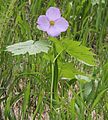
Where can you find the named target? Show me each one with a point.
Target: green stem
(54, 83)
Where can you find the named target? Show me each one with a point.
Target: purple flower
(52, 22)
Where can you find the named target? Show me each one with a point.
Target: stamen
(52, 23)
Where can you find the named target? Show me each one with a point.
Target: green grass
(25, 81)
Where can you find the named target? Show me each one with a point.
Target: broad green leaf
(87, 89)
(28, 47)
(78, 51)
(75, 49)
(83, 78)
(68, 70)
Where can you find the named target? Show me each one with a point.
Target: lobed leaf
(75, 49)
(28, 47)
(80, 52)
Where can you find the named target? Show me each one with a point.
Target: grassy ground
(25, 81)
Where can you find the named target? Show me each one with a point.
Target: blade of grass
(26, 100)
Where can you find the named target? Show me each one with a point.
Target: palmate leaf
(75, 49)
(80, 52)
(29, 47)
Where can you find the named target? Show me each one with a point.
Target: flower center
(52, 23)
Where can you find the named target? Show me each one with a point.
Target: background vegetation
(25, 80)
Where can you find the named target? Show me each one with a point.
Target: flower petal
(53, 13)
(43, 23)
(61, 24)
(52, 31)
